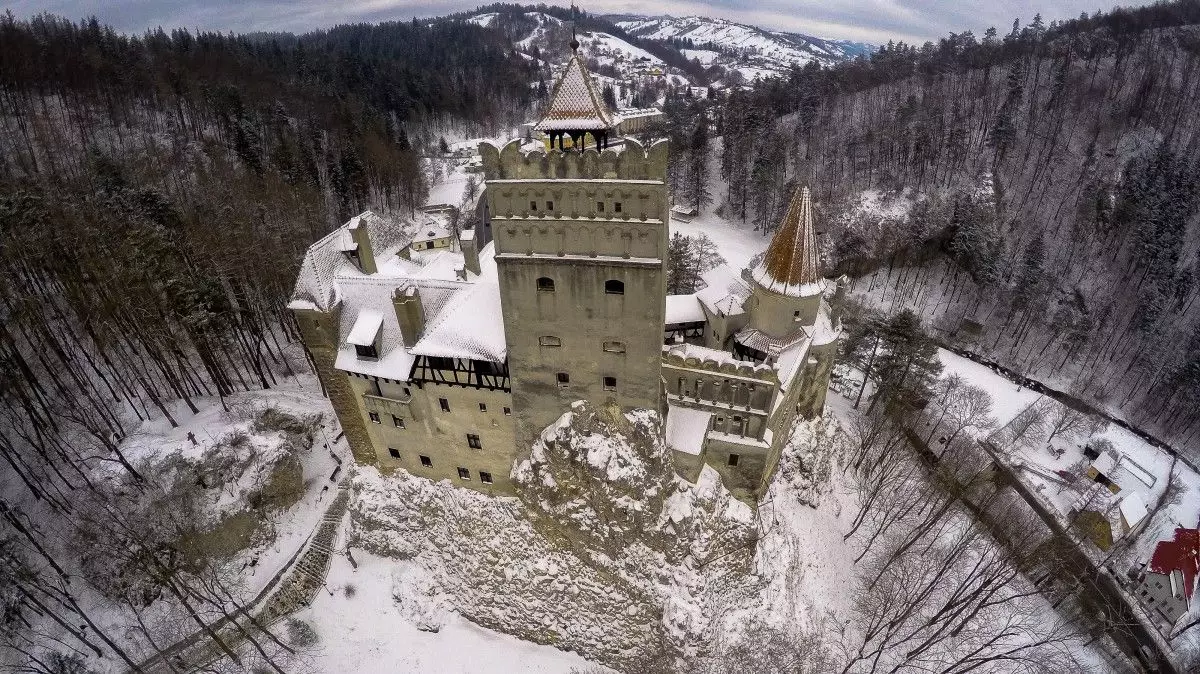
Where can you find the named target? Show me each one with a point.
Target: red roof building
(1182, 555)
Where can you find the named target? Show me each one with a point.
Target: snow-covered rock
(606, 552)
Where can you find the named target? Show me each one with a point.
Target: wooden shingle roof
(574, 103)
(791, 265)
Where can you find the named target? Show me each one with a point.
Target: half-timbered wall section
(460, 372)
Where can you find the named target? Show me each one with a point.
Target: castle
(451, 365)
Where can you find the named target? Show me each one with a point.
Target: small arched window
(614, 287)
(545, 284)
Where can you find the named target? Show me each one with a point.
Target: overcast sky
(874, 21)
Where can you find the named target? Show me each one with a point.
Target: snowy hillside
(741, 44)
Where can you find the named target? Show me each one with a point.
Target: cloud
(865, 20)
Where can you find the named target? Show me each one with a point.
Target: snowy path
(290, 590)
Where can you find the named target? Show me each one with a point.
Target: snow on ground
(363, 630)
(704, 56)
(602, 45)
(301, 396)
(737, 243)
(1008, 398)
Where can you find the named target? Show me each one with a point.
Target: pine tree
(696, 188)
(907, 365)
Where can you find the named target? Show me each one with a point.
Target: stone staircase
(293, 588)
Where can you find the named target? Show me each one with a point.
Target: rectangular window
(549, 205)
(463, 473)
(549, 340)
(733, 459)
(614, 347)
(406, 391)
(374, 416)
(507, 411)
(564, 380)
(533, 205)
(617, 206)
(482, 407)
(610, 383)
(599, 206)
(393, 452)
(397, 421)
(426, 461)
(445, 404)
(473, 441)
(485, 477)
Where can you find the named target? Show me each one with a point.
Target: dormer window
(364, 335)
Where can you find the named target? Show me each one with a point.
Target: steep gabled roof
(574, 104)
(791, 266)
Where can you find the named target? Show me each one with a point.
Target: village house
(451, 365)
(1167, 584)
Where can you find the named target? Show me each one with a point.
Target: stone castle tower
(580, 248)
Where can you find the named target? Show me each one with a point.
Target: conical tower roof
(574, 103)
(791, 266)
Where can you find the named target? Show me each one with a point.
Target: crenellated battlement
(633, 162)
(687, 356)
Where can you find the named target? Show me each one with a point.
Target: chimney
(470, 250)
(362, 237)
(409, 313)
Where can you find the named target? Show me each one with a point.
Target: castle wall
(319, 332)
(441, 436)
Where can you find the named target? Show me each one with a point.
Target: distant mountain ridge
(775, 50)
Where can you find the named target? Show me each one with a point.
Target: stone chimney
(409, 313)
(362, 236)
(470, 250)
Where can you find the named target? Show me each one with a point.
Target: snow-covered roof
(724, 292)
(324, 262)
(431, 231)
(634, 113)
(755, 339)
(462, 318)
(470, 326)
(366, 328)
(686, 428)
(574, 104)
(683, 309)
(791, 266)
(1133, 509)
(1106, 462)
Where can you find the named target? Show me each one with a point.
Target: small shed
(1133, 512)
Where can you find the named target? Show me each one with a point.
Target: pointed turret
(791, 266)
(575, 108)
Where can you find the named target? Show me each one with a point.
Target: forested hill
(157, 193)
(1039, 195)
